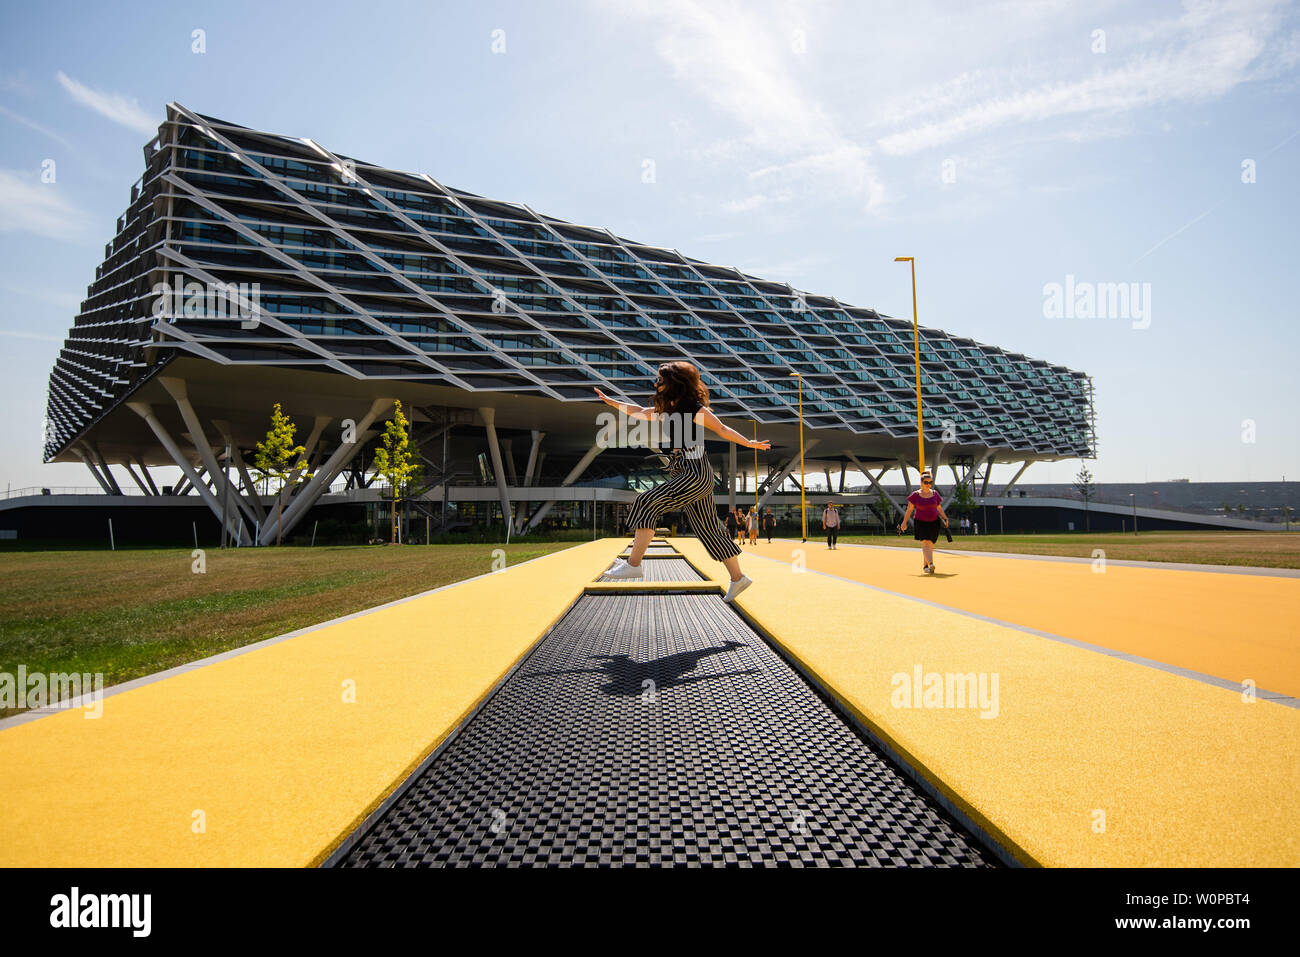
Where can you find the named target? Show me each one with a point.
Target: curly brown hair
(678, 387)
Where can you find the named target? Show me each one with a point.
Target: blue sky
(1005, 145)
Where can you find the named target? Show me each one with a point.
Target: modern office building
(253, 268)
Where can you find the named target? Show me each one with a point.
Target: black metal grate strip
(660, 729)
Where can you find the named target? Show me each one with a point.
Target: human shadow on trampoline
(627, 676)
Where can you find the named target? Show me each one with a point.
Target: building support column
(988, 472)
(842, 471)
(907, 479)
(530, 475)
(145, 411)
(508, 456)
(874, 481)
(784, 474)
(569, 479)
(307, 497)
(126, 464)
(85, 457)
(311, 450)
(489, 416)
(108, 473)
(177, 389)
(144, 471)
(1015, 478)
(247, 483)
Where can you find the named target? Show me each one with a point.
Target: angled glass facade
(358, 271)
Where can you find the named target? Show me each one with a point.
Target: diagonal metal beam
(305, 499)
(875, 481)
(179, 391)
(489, 416)
(144, 471)
(785, 472)
(574, 474)
(145, 411)
(126, 464)
(94, 470)
(988, 472)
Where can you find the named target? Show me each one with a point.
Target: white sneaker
(739, 585)
(625, 572)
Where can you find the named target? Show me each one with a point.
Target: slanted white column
(489, 416)
(126, 464)
(907, 480)
(145, 411)
(144, 471)
(875, 482)
(177, 389)
(786, 472)
(569, 479)
(103, 466)
(326, 474)
(988, 472)
(94, 470)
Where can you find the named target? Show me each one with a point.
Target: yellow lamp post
(803, 479)
(755, 421)
(916, 345)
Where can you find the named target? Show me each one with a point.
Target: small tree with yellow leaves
(395, 460)
(277, 457)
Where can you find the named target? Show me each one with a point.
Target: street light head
(902, 259)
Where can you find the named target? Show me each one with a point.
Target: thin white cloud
(120, 109)
(32, 124)
(1209, 52)
(16, 334)
(739, 59)
(29, 206)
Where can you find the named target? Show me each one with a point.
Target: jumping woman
(682, 401)
(927, 504)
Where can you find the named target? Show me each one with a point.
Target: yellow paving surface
(1185, 774)
(1231, 626)
(263, 744)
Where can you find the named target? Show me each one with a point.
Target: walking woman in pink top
(928, 506)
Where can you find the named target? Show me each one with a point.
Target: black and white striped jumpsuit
(689, 489)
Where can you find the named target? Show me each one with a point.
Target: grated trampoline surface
(660, 730)
(667, 570)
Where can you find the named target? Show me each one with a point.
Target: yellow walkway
(263, 744)
(1089, 760)
(1231, 626)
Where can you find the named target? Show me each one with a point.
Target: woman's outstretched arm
(706, 418)
(632, 411)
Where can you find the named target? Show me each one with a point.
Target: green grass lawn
(135, 612)
(1265, 549)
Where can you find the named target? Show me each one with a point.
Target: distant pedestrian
(730, 522)
(751, 524)
(928, 506)
(769, 523)
(831, 523)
